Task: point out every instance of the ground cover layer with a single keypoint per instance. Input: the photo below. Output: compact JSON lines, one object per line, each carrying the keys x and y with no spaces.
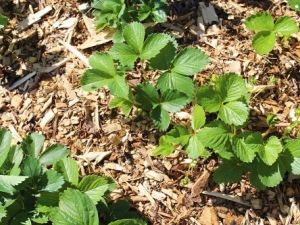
{"x":104,"y":141}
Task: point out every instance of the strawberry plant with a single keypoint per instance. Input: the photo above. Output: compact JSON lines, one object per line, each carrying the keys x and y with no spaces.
{"x":3,"y":21}
{"x":40,"y":186}
{"x":155,"y":54}
{"x":267,"y":31}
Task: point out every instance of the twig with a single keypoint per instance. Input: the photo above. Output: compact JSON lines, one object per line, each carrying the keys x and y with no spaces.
{"x":227,"y":197}
{"x":75,"y":52}
{"x":21,"y":81}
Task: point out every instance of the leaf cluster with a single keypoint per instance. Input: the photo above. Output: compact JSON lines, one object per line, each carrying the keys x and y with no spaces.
{"x":265,"y":38}
{"x":40,"y":186}
{"x":156,"y":53}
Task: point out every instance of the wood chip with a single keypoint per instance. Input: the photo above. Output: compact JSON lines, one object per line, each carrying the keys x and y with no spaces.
{"x":49,"y":116}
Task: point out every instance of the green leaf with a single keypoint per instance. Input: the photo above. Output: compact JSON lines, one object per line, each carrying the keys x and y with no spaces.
{"x":53,"y":154}
{"x":179,"y":134}
{"x":195,"y":147}
{"x":3,"y":22}
{"x":103,"y":62}
{"x":124,"y":53}
{"x":69,"y":169}
{"x":128,"y":222}
{"x":173,"y":100}
{"x":153,"y":44}
{"x":125,"y":104}
{"x":118,"y":86}
{"x":291,"y":156}
{"x":5,"y":141}
{"x":198,"y":118}
{"x":75,"y":208}
{"x":216,"y":135}
{"x":51,"y":181}
{"x":264,"y":41}
{"x":159,"y":15}
{"x":160,"y":118}
{"x":94,"y":79}
{"x":175,"y":81}
{"x":271,"y":119}
{"x":189,"y":61}
{"x":2,"y":208}
{"x":32,"y":144}
{"x":286,"y":26}
{"x":163,"y":60}
{"x":209,"y":98}
{"x":260,"y":22}
{"x":234,"y":113}
{"x":271,"y":150}
{"x":47,"y":201}
{"x":134,"y":35}
{"x":7,"y":183}
{"x":271,"y":175}
{"x":229,"y":171}
{"x":146,"y":95}
{"x":144,"y":12}
{"x":295,"y":4}
{"x":256,"y":182}
{"x":165,"y":148}
{"x":95,"y":187}
{"x":231,"y":87}
{"x":31,"y":166}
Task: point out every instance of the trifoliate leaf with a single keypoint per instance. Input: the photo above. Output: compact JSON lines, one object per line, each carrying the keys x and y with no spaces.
{"x":175,"y":81}
{"x":5,"y":141}
{"x":51,"y":181}
{"x":3,"y":21}
{"x":271,"y":175}
{"x":179,"y":134}
{"x":216,"y":135}
{"x":32,"y":144}
{"x":118,"y":86}
{"x":198,"y":118}
{"x":291,"y":156}
{"x":173,"y":100}
{"x":134,"y":35}
{"x":264,"y":41}
{"x":95,"y":187}
{"x":160,"y":118}
{"x":165,"y":148}
{"x":231,"y":87}
{"x":31,"y":166}
{"x":103,"y":62}
{"x":295,"y":4}
{"x":7,"y":183}
{"x":260,"y":22}
{"x":75,"y":208}
{"x":229,"y":171}
{"x":69,"y":169}
{"x":286,"y":26}
{"x":195,"y":147}
{"x":209,"y":98}
{"x":234,"y":113}
{"x":153,"y":44}
{"x":124,"y":53}
{"x":53,"y":154}
{"x":189,"y":61}
{"x":271,"y":150}
{"x":94,"y":79}
{"x":163,"y":60}
{"x":146,"y":95}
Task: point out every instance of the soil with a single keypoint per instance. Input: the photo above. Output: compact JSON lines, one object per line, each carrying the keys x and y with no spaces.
{"x":105,"y":142}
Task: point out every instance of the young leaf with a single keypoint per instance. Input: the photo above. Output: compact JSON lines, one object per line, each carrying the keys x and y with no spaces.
{"x":229,"y":171}
{"x":32,"y":144}
{"x":295,"y":4}
{"x":103,"y":62}
{"x":31,"y":166}
{"x":260,"y":22}
{"x":175,"y":81}
{"x":195,"y":147}
{"x":179,"y":135}
{"x":69,"y":169}
{"x":160,"y":118}
{"x":189,"y":61}
{"x":53,"y":154}
{"x":234,"y":113}
{"x":271,"y":119}
{"x":291,"y":156}
{"x":165,"y":148}
{"x":286,"y":26}
{"x":209,"y":98}
{"x":134,"y":35}
{"x":264,"y":41}
{"x":231,"y":87}
{"x":146,"y":95}
{"x":173,"y":100}
{"x":7,"y":183}
{"x":95,"y":187}
{"x":51,"y":181}
{"x":94,"y":79}
{"x":75,"y":208}
{"x":271,"y":175}
{"x":198,"y":118}
{"x":153,"y":44}
{"x":5,"y":141}
{"x":269,"y":153}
